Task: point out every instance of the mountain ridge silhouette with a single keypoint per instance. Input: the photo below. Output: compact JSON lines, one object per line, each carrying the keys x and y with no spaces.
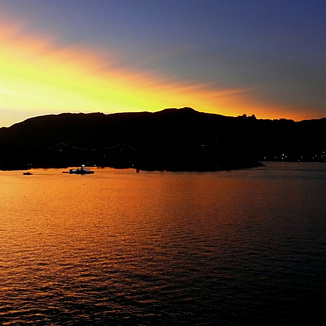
{"x":171,"y":139}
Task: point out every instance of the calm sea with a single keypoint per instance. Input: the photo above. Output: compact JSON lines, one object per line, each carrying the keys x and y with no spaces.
{"x":243,"y":247}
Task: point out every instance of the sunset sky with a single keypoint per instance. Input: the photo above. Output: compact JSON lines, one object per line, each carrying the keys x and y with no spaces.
{"x":229,"y":57}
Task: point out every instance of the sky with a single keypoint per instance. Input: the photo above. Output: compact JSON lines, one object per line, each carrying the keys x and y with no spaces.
{"x":230,"y":57}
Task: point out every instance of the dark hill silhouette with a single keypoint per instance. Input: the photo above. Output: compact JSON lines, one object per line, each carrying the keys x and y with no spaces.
{"x":172,"y":139}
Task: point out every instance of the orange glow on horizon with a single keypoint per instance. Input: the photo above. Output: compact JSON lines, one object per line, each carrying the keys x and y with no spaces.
{"x":38,"y":76}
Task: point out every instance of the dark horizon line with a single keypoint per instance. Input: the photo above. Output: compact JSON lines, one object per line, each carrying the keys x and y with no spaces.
{"x":244,"y":116}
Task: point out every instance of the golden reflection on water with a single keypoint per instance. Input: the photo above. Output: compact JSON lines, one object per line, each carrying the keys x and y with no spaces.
{"x":50,"y":215}
{"x":57,"y":210}
{"x":151,"y":237}
{"x":50,"y":206}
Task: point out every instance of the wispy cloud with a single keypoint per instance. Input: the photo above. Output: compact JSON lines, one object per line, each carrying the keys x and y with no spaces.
{"x":39,"y":75}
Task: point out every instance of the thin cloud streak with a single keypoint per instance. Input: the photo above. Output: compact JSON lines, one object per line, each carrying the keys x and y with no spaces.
{"x":37,"y":75}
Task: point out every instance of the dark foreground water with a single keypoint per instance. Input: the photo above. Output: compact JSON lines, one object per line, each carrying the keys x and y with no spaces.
{"x":243,"y":247}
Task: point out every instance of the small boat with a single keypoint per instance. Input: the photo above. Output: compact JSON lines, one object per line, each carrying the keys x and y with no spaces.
{"x":82,"y":170}
{"x":27,"y":173}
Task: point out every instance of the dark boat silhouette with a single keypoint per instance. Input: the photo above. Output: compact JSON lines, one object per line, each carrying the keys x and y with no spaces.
{"x":82,"y":170}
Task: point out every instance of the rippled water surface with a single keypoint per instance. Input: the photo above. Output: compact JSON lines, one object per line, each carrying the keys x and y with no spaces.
{"x":242,"y":247}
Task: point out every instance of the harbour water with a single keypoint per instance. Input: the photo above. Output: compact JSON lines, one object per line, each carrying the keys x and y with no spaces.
{"x":245,"y":247}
